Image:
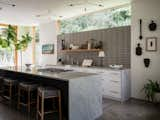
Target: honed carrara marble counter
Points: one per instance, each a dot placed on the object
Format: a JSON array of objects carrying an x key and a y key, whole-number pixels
[{"x": 61, "y": 76}]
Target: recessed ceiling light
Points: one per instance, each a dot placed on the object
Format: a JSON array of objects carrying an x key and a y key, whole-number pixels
[
  {"x": 37, "y": 16},
  {"x": 13, "y": 5},
  {"x": 71, "y": 5},
  {"x": 100, "y": 5}
]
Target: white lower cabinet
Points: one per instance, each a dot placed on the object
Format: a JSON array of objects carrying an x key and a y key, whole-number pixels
[{"x": 116, "y": 84}]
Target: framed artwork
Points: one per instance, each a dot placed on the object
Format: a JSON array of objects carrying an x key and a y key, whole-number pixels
[
  {"x": 48, "y": 49},
  {"x": 151, "y": 44}
]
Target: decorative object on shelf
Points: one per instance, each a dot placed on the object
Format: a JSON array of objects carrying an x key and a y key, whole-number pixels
[
  {"x": 93, "y": 42},
  {"x": 73, "y": 47},
  {"x": 138, "y": 50},
  {"x": 99, "y": 45},
  {"x": 152, "y": 26},
  {"x": 48, "y": 49},
  {"x": 151, "y": 44},
  {"x": 146, "y": 62},
  {"x": 152, "y": 91},
  {"x": 89, "y": 44},
  {"x": 83, "y": 46},
  {"x": 101, "y": 55},
  {"x": 63, "y": 45},
  {"x": 140, "y": 29},
  {"x": 87, "y": 62}
]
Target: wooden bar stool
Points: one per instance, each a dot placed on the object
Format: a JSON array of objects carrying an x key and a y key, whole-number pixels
[
  {"x": 27, "y": 95},
  {"x": 48, "y": 94},
  {"x": 9, "y": 89}
]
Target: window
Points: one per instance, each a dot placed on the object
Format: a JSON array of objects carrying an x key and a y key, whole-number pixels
[
  {"x": 6, "y": 54},
  {"x": 99, "y": 20}
]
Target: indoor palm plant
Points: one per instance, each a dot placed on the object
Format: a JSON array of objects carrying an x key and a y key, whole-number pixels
[{"x": 152, "y": 91}]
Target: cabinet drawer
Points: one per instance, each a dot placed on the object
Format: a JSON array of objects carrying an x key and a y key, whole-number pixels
[
  {"x": 113, "y": 87},
  {"x": 112, "y": 76},
  {"x": 115, "y": 94},
  {"x": 115, "y": 82},
  {"x": 115, "y": 75}
]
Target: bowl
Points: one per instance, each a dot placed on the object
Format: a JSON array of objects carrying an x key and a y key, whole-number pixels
[
  {"x": 116, "y": 66},
  {"x": 28, "y": 65}
]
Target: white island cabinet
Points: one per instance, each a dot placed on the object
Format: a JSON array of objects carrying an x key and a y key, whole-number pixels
[{"x": 116, "y": 84}]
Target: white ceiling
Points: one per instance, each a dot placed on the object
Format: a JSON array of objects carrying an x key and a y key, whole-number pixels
[{"x": 26, "y": 11}]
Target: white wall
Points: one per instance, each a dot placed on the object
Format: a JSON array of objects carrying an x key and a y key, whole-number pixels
[
  {"x": 48, "y": 35},
  {"x": 147, "y": 10}
]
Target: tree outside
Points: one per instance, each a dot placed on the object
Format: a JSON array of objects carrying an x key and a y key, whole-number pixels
[{"x": 99, "y": 20}]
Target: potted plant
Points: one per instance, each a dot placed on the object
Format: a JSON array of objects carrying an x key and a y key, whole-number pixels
[
  {"x": 157, "y": 93},
  {"x": 152, "y": 91},
  {"x": 9, "y": 40}
]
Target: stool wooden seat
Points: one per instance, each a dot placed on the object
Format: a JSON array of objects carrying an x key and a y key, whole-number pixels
[
  {"x": 9, "y": 88},
  {"x": 27, "y": 94},
  {"x": 45, "y": 93}
]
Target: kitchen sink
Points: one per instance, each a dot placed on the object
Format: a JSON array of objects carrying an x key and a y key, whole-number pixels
[{"x": 52, "y": 70}]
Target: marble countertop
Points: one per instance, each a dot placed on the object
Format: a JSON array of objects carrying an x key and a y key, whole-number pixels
[
  {"x": 69, "y": 75},
  {"x": 80, "y": 68}
]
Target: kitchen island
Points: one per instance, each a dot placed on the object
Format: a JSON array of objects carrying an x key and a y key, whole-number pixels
[{"x": 81, "y": 92}]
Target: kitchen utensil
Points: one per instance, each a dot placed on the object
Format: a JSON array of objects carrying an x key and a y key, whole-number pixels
[{"x": 140, "y": 23}]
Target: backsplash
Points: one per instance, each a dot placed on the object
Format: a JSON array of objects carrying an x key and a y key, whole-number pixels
[{"x": 116, "y": 45}]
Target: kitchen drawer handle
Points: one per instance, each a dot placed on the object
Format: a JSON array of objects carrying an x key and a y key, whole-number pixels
[
  {"x": 115, "y": 73},
  {"x": 114, "y": 81},
  {"x": 114, "y": 92}
]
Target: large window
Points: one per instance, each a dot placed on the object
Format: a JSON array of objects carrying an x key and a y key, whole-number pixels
[
  {"x": 6, "y": 54},
  {"x": 99, "y": 20}
]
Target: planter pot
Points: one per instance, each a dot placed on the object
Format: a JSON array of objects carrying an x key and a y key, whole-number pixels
[{"x": 157, "y": 97}]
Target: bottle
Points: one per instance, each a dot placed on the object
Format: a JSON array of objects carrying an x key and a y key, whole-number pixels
[
  {"x": 89, "y": 45},
  {"x": 63, "y": 44}
]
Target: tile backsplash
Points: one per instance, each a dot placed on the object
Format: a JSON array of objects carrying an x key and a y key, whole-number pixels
[{"x": 116, "y": 45}]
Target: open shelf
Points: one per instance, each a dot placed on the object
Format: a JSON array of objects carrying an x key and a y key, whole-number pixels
[{"x": 81, "y": 50}]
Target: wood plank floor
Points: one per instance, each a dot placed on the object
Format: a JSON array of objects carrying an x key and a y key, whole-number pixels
[{"x": 113, "y": 110}]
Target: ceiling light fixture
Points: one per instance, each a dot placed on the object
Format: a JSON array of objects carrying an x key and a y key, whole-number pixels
[
  {"x": 5, "y": 3},
  {"x": 89, "y": 3}
]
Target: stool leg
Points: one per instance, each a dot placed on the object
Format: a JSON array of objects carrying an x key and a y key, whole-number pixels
[
  {"x": 60, "y": 109},
  {"x": 42, "y": 108},
  {"x": 29, "y": 105},
  {"x": 10, "y": 91},
  {"x": 37, "y": 105},
  {"x": 19, "y": 94}
]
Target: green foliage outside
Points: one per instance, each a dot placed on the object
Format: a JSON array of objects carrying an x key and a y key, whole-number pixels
[
  {"x": 99, "y": 20},
  {"x": 9, "y": 40},
  {"x": 9, "y": 43}
]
